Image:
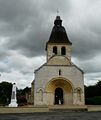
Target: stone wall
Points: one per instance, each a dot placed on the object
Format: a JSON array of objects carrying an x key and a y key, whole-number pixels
[
  {"x": 47, "y": 73},
  {"x": 59, "y": 46}
]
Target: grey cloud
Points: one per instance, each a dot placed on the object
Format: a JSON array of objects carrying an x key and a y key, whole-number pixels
[
  {"x": 32, "y": 17},
  {"x": 10, "y": 10},
  {"x": 33, "y": 42},
  {"x": 85, "y": 46},
  {"x": 15, "y": 15},
  {"x": 3, "y": 53},
  {"x": 92, "y": 66},
  {"x": 86, "y": 42},
  {"x": 4, "y": 68},
  {"x": 28, "y": 24}
]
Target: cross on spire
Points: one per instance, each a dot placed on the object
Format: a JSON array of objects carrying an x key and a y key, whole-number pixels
[{"x": 57, "y": 11}]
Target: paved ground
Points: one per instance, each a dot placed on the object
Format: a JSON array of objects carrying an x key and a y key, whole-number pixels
[{"x": 53, "y": 116}]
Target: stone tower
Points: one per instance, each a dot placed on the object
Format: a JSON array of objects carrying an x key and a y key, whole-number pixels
[
  {"x": 58, "y": 81},
  {"x": 58, "y": 44}
]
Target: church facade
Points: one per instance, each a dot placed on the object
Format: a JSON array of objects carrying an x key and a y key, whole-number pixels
[{"x": 58, "y": 81}]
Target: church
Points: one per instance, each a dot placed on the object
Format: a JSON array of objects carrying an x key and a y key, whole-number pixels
[{"x": 58, "y": 81}]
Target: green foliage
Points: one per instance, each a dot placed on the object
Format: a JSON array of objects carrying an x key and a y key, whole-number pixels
[
  {"x": 21, "y": 100},
  {"x": 94, "y": 90},
  {"x": 23, "y": 91},
  {"x": 5, "y": 93},
  {"x": 93, "y": 94},
  {"x": 21, "y": 96},
  {"x": 93, "y": 101}
]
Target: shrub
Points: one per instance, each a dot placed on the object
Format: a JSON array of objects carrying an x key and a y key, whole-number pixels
[{"x": 93, "y": 101}]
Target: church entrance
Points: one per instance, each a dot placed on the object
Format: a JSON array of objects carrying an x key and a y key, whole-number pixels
[
  {"x": 58, "y": 96},
  {"x": 59, "y": 92}
]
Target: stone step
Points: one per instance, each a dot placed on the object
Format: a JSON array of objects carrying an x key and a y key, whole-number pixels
[{"x": 68, "y": 108}]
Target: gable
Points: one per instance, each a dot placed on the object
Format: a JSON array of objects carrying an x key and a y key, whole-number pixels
[{"x": 58, "y": 60}]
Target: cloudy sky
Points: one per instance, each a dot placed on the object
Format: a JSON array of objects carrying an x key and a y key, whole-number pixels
[{"x": 25, "y": 27}]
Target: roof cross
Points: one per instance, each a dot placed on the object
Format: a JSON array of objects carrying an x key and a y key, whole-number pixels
[{"x": 57, "y": 11}]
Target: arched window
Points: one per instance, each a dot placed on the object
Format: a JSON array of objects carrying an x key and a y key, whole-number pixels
[
  {"x": 55, "y": 50},
  {"x": 40, "y": 95},
  {"x": 79, "y": 95},
  {"x": 63, "y": 51}
]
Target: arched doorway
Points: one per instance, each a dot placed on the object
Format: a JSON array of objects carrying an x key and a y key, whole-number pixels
[
  {"x": 62, "y": 88},
  {"x": 58, "y": 96}
]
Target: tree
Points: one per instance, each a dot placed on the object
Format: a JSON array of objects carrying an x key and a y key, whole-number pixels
[
  {"x": 21, "y": 96},
  {"x": 5, "y": 92},
  {"x": 93, "y": 94}
]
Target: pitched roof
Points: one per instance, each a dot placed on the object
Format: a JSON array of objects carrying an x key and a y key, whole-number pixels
[{"x": 58, "y": 34}]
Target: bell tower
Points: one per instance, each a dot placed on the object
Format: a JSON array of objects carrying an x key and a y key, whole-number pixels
[
  {"x": 58, "y": 81},
  {"x": 58, "y": 47}
]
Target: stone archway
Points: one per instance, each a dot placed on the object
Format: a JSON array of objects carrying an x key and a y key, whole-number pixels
[{"x": 62, "y": 88}]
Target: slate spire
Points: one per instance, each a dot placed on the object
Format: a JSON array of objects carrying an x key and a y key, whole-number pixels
[{"x": 58, "y": 34}]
